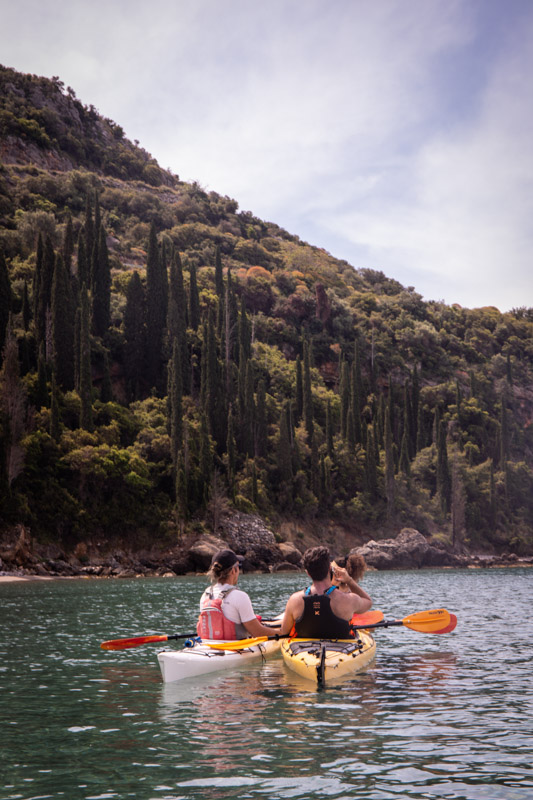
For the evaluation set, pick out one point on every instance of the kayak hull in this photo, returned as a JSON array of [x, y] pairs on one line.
[[200, 659], [325, 660]]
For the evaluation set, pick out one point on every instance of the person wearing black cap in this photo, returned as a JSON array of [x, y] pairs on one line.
[[225, 611]]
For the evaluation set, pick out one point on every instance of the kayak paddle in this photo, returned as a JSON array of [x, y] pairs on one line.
[[437, 620], [368, 618], [123, 644]]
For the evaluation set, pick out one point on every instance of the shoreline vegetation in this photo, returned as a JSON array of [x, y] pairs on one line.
[[176, 372]]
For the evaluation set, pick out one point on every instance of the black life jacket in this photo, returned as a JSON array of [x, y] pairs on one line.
[[318, 620]]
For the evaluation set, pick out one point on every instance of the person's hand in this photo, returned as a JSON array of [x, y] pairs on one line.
[[339, 573]]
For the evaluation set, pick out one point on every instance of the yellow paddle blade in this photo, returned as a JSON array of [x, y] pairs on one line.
[[239, 644], [430, 621]]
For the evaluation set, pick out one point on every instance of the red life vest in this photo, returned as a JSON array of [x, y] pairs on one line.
[[212, 624]]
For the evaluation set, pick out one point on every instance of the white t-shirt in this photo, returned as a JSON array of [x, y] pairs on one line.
[[236, 606]]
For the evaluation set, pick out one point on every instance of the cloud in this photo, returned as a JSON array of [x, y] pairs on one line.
[[463, 226], [393, 134]]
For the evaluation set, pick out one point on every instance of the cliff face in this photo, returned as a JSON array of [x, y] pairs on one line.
[[229, 367], [44, 124]]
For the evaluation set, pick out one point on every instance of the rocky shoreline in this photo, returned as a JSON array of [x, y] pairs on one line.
[[25, 559]]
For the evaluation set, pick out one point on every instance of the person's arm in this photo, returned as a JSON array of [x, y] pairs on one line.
[[256, 628], [293, 611]]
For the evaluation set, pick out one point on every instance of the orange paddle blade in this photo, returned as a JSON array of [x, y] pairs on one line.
[[123, 644], [432, 621], [368, 618]]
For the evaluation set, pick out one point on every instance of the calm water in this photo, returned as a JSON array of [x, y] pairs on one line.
[[434, 717]]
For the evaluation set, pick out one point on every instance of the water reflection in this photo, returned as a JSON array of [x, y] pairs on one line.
[[433, 717]]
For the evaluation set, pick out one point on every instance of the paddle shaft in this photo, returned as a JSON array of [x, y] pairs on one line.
[[124, 644]]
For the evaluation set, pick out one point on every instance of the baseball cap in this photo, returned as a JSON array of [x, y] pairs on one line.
[[226, 559]]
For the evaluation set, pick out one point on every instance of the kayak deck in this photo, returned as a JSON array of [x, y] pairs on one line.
[[324, 660], [201, 659]]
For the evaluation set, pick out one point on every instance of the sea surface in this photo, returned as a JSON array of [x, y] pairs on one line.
[[435, 716]]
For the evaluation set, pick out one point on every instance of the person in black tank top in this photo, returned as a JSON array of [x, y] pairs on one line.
[[322, 612], [318, 620]]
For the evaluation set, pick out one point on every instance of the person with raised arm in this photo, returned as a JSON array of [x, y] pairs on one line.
[[322, 611]]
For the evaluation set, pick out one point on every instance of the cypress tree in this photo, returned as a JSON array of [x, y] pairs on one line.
[[420, 431], [62, 327], [255, 493], [356, 403], [182, 498], [389, 463], [261, 437], [134, 337], [41, 393], [241, 380], [219, 280], [45, 296], [175, 394], [89, 236], [177, 318], [358, 396], [206, 461], [299, 391], [245, 334], [371, 467], [194, 299], [231, 451], [13, 406], [307, 395], [504, 434], [344, 392], [249, 411], [37, 275], [68, 244], [5, 301], [55, 421], [26, 308], [407, 427], [350, 431], [315, 467], [415, 402], [156, 311], [86, 385], [284, 455], [329, 431], [405, 465], [83, 265], [101, 283], [509, 370], [443, 472], [106, 389], [213, 395]]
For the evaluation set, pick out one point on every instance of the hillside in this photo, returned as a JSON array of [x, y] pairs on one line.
[[167, 357]]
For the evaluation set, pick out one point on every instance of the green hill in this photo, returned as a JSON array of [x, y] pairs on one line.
[[166, 357]]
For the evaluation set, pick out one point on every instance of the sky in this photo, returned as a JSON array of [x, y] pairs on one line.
[[395, 134]]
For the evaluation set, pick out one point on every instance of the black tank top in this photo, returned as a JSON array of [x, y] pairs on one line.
[[318, 620]]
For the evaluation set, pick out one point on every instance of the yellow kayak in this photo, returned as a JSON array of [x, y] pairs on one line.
[[324, 660]]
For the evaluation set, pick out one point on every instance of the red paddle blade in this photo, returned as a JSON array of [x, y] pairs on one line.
[[450, 627], [368, 618], [123, 644]]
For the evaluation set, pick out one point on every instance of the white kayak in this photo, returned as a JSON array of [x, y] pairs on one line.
[[200, 659]]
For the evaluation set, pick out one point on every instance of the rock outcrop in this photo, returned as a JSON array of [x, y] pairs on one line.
[[409, 550]]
